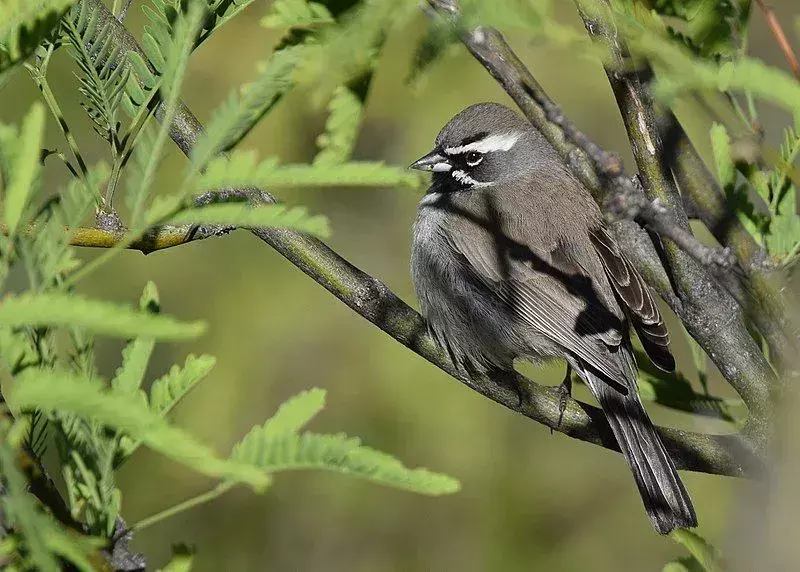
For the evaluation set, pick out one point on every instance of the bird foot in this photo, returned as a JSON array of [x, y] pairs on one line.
[[564, 391]]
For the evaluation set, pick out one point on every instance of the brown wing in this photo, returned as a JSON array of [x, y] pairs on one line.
[[639, 303]]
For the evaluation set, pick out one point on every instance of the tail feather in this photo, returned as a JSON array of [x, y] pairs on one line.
[[664, 496]]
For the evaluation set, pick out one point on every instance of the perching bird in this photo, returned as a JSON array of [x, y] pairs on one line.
[[511, 259]]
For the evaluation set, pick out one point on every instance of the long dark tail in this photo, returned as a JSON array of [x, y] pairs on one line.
[[665, 498]]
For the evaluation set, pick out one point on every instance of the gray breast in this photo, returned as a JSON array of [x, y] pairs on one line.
[[464, 316]]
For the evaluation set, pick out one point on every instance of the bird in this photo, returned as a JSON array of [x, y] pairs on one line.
[[512, 259]]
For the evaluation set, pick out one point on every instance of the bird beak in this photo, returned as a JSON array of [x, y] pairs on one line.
[[433, 161]]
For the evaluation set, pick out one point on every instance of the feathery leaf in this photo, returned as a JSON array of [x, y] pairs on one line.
[[169, 389], [341, 128], [240, 169], [103, 72], [55, 391], [263, 216], [136, 355], [296, 14], [56, 309], [294, 413], [23, 164], [336, 453], [24, 24], [234, 119]]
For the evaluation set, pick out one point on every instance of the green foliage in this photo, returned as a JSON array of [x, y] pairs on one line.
[[341, 129], [47, 335], [296, 14], [49, 310], [136, 355], [245, 216], [276, 446], [20, 165], [340, 53], [703, 555], [44, 539], [711, 28], [182, 560], [673, 390], [772, 219], [103, 72], [295, 413], [245, 107], [240, 169], [169, 389], [679, 69], [60, 391], [170, 56], [24, 24]]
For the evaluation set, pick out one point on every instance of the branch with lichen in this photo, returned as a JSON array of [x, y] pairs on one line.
[[372, 299]]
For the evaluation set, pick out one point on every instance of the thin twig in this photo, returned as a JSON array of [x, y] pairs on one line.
[[780, 37]]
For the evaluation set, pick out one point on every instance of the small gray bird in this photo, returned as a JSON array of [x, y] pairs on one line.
[[511, 259]]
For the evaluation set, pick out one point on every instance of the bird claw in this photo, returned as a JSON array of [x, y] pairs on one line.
[[564, 391]]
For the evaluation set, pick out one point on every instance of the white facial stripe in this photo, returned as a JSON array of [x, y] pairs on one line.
[[441, 167], [501, 142], [463, 178]]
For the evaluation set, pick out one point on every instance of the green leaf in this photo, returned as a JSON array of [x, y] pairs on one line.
[[271, 452], [296, 14], [341, 129], [264, 216], [182, 559], [240, 169], [102, 64], [63, 392], [169, 389], [706, 555], [294, 413], [723, 157], [23, 26], [136, 355], [680, 71], [99, 317], [503, 14], [176, 51], [784, 234], [71, 546], [343, 53], [673, 390], [25, 513], [736, 194], [712, 28], [24, 167], [234, 119], [687, 564]]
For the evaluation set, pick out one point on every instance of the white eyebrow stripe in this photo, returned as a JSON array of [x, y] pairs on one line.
[[501, 142]]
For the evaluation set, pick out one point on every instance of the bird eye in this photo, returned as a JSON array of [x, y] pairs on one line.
[[473, 158]]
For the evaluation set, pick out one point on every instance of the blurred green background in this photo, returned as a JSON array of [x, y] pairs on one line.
[[530, 500]]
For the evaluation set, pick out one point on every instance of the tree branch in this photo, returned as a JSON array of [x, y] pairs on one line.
[[747, 370], [710, 315], [780, 37], [370, 298]]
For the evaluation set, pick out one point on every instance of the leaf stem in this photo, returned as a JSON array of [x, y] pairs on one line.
[[55, 109], [205, 497]]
